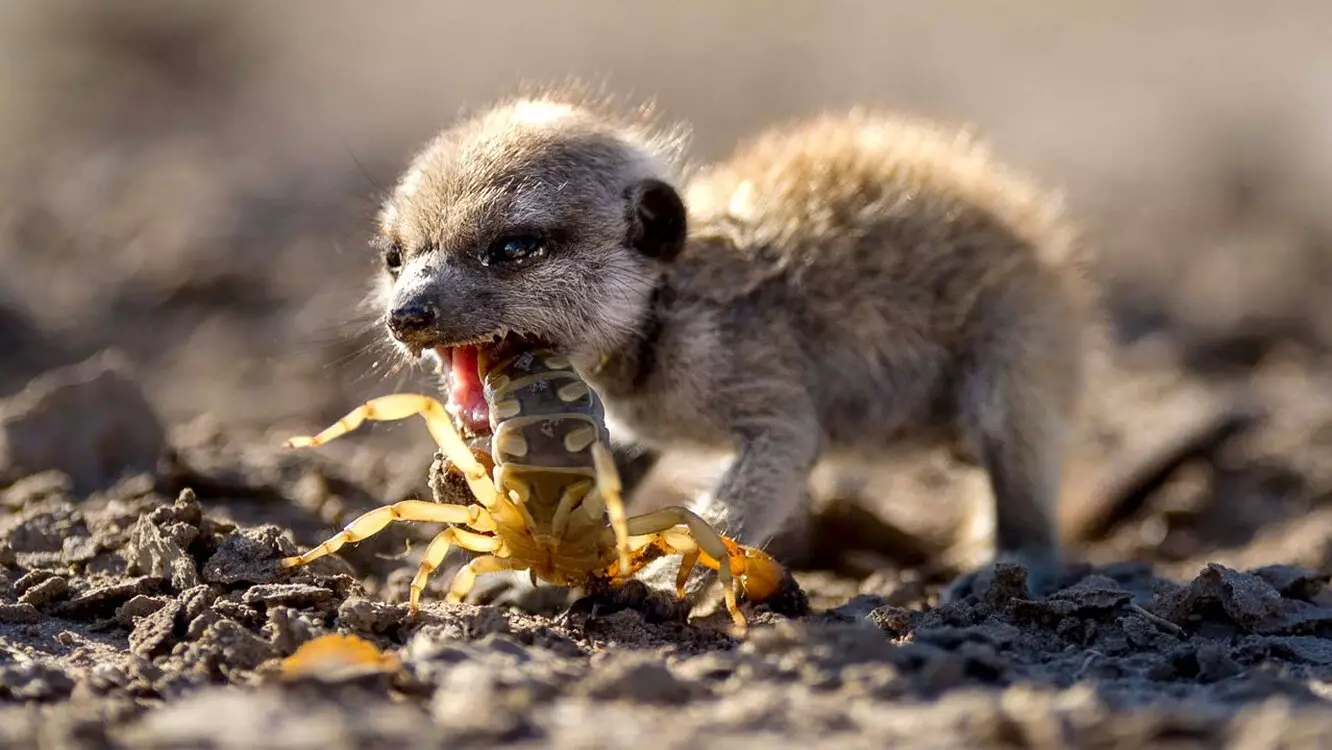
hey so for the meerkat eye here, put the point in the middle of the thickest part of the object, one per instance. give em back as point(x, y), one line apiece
point(391, 253)
point(512, 251)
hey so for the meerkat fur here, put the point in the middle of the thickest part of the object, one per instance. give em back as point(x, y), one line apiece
point(842, 285)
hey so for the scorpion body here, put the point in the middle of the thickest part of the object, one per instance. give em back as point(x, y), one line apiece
point(552, 503)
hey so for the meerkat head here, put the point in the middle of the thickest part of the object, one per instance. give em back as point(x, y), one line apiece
point(538, 220)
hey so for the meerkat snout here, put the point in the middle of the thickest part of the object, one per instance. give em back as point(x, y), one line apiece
point(411, 322)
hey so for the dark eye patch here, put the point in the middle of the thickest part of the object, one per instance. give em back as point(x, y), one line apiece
point(514, 250)
point(518, 248)
point(390, 252)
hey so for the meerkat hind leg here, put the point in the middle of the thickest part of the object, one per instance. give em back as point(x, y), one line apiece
point(1017, 423)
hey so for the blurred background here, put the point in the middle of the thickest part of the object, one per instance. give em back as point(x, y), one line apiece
point(193, 184)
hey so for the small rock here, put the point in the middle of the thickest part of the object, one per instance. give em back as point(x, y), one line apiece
point(198, 599)
point(44, 528)
point(34, 681)
point(895, 620)
point(1214, 663)
point(37, 488)
point(106, 677)
point(232, 608)
point(18, 613)
point(639, 681)
point(298, 595)
point(486, 621)
point(1299, 618)
point(859, 607)
point(139, 606)
point(287, 629)
point(7, 557)
point(248, 555)
point(469, 706)
point(106, 597)
point(1094, 592)
point(1247, 600)
point(46, 591)
point(1293, 582)
point(90, 421)
point(152, 634)
point(1304, 648)
point(31, 579)
point(370, 616)
point(238, 647)
point(79, 549)
point(152, 551)
point(200, 625)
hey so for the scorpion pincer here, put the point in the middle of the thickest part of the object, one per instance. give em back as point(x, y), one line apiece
point(553, 504)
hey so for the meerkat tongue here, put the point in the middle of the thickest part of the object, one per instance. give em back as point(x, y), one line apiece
point(466, 394)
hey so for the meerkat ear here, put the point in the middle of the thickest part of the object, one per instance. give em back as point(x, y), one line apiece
point(656, 219)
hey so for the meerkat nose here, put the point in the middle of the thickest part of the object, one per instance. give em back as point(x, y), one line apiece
point(411, 320)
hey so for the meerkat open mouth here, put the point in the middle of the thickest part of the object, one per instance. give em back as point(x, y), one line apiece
point(464, 367)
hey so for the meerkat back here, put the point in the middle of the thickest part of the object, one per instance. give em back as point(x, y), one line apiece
point(937, 296)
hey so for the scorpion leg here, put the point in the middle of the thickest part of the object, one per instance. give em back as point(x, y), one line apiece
point(373, 521)
point(673, 541)
point(401, 406)
point(465, 579)
point(608, 486)
point(705, 537)
point(439, 547)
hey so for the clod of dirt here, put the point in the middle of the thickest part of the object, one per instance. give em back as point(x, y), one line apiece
point(249, 555)
point(139, 606)
point(1247, 600)
point(91, 421)
point(640, 680)
point(42, 527)
point(287, 628)
point(370, 616)
point(101, 600)
point(469, 704)
point(34, 681)
point(49, 590)
point(159, 549)
point(1293, 582)
point(18, 613)
point(298, 595)
point(152, 633)
point(235, 646)
point(274, 718)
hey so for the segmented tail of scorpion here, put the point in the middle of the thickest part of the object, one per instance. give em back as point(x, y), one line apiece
point(552, 503)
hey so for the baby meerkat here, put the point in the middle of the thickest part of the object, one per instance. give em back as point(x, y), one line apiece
point(843, 285)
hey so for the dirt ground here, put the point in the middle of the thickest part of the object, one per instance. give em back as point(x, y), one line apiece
point(185, 194)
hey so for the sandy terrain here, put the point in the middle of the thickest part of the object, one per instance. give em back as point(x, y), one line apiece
point(185, 200)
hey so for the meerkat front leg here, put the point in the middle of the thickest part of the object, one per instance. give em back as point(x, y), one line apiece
point(762, 492)
point(633, 463)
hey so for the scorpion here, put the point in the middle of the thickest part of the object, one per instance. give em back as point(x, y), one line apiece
point(552, 504)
